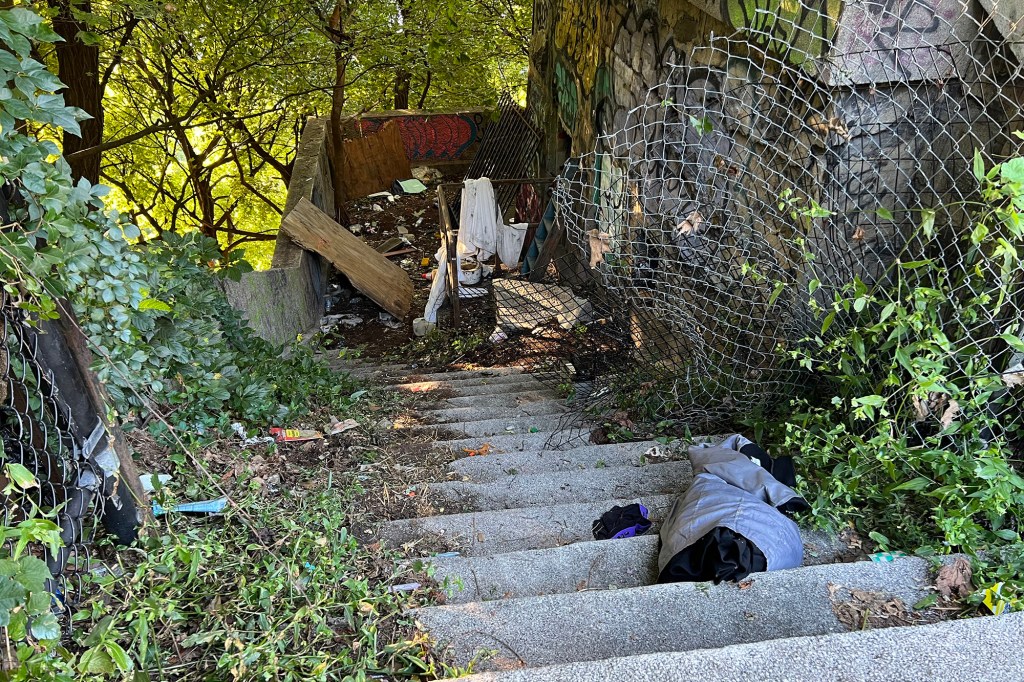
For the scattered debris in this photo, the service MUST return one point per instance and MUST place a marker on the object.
(885, 557)
(388, 320)
(497, 336)
(524, 306)
(204, 507)
(478, 452)
(378, 208)
(406, 587)
(392, 244)
(994, 599)
(341, 427)
(295, 435)
(953, 581)
(420, 326)
(600, 244)
(411, 186)
(426, 174)
(148, 483)
(246, 440)
(329, 322)
(861, 610)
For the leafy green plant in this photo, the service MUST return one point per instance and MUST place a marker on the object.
(27, 621)
(914, 435)
(164, 335)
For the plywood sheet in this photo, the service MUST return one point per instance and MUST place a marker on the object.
(374, 162)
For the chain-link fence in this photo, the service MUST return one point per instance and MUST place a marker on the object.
(755, 181)
(73, 464)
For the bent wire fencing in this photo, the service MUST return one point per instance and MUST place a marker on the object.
(712, 229)
(50, 426)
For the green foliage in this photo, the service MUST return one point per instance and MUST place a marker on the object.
(280, 590)
(25, 600)
(239, 102)
(162, 329)
(916, 437)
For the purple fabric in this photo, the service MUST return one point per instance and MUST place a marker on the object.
(638, 529)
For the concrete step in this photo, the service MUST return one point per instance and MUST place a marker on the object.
(519, 442)
(560, 487)
(590, 626)
(593, 565)
(496, 466)
(499, 385)
(475, 413)
(499, 401)
(502, 426)
(417, 376)
(979, 649)
(512, 530)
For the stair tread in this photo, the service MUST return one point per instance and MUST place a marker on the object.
(978, 649)
(663, 618)
(561, 487)
(606, 564)
(510, 530)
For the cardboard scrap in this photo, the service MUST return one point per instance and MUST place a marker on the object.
(382, 281)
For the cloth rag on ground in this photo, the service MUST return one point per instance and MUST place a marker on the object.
(728, 523)
(622, 522)
(478, 220)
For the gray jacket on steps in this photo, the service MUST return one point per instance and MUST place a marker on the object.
(730, 491)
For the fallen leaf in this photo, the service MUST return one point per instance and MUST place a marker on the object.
(746, 584)
(953, 581)
(950, 414)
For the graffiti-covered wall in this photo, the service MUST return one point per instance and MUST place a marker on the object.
(728, 146)
(430, 138)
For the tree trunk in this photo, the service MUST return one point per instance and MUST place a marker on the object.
(403, 79)
(337, 107)
(79, 69)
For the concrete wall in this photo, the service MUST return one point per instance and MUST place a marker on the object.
(869, 108)
(288, 299)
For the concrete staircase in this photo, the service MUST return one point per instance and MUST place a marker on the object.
(532, 597)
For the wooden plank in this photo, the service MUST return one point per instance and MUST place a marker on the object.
(374, 162)
(382, 281)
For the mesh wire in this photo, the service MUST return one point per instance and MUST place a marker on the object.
(38, 432)
(679, 229)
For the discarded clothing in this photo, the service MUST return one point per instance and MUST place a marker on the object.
(622, 522)
(728, 524)
(478, 220)
(720, 555)
(509, 243)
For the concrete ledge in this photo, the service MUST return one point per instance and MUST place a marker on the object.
(280, 303)
(977, 649)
